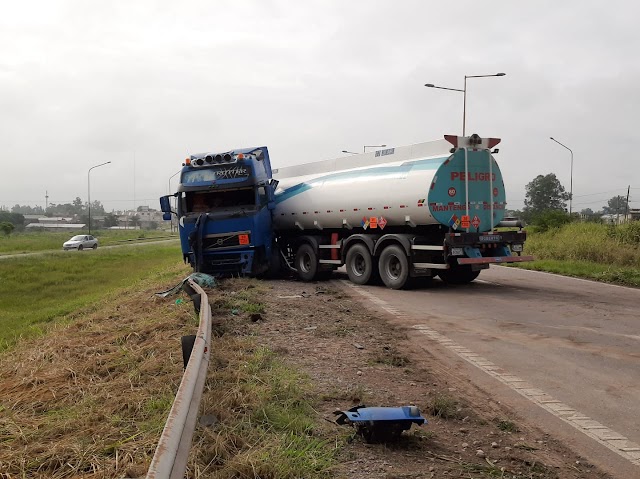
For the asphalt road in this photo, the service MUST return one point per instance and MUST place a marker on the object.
(563, 352)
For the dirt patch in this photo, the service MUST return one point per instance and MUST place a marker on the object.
(357, 356)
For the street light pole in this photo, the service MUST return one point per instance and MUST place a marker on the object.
(171, 177)
(89, 190)
(571, 176)
(464, 93)
(364, 148)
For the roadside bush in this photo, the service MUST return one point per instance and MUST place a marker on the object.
(585, 242)
(551, 219)
(628, 233)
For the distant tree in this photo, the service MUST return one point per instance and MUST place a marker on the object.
(135, 220)
(27, 210)
(66, 209)
(513, 213)
(616, 205)
(78, 206)
(15, 219)
(6, 228)
(544, 193)
(97, 208)
(110, 220)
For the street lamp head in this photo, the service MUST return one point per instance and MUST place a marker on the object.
(430, 85)
(552, 138)
(500, 74)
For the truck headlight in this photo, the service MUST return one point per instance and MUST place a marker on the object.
(516, 247)
(457, 251)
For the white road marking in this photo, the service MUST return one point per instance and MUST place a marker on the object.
(557, 275)
(602, 434)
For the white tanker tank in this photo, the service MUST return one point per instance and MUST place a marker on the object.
(417, 185)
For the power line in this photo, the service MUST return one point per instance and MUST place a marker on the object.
(603, 193)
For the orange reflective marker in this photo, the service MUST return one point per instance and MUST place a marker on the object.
(243, 239)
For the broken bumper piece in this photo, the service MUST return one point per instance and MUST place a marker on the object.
(381, 424)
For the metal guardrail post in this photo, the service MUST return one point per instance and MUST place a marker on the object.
(172, 453)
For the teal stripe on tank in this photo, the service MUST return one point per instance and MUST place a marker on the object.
(378, 172)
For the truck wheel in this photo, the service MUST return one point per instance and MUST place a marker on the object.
(394, 267)
(458, 275)
(359, 264)
(306, 263)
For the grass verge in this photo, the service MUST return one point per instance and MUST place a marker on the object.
(624, 276)
(32, 241)
(598, 252)
(38, 290)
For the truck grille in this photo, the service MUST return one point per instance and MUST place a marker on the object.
(219, 242)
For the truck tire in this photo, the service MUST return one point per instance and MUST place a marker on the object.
(359, 264)
(306, 262)
(394, 267)
(458, 275)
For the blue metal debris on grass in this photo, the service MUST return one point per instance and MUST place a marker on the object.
(381, 424)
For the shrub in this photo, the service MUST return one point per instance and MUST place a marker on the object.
(551, 219)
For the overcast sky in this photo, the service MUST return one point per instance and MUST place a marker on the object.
(144, 84)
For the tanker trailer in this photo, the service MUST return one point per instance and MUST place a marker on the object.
(422, 210)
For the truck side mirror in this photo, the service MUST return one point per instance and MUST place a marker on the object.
(165, 206)
(166, 216)
(271, 205)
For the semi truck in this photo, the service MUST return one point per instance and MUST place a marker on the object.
(393, 215)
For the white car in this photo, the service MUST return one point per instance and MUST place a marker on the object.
(81, 242)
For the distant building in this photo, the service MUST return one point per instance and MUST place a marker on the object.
(617, 219)
(145, 217)
(56, 226)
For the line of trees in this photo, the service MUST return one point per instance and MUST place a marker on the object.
(77, 207)
(545, 204)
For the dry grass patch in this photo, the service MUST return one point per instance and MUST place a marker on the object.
(91, 398)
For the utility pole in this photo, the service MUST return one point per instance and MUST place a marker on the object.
(626, 211)
(46, 201)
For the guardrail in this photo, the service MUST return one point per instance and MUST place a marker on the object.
(170, 458)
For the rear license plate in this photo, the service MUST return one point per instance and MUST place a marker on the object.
(490, 239)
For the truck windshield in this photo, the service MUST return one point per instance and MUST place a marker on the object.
(200, 202)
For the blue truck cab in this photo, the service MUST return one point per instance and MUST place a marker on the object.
(223, 204)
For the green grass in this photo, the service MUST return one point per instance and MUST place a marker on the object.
(273, 431)
(588, 250)
(32, 241)
(37, 290)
